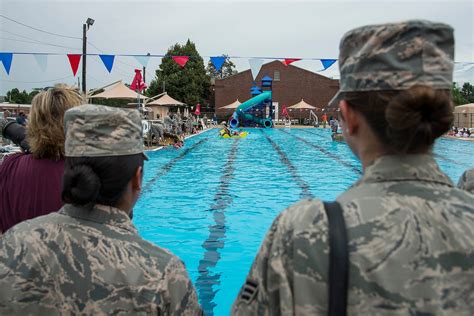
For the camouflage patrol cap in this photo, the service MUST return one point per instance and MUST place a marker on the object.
(102, 131)
(396, 56)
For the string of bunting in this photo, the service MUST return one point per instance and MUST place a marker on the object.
(108, 60)
(255, 63)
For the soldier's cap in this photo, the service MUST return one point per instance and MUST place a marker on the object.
(102, 131)
(395, 56)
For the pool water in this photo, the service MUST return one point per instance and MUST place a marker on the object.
(211, 202)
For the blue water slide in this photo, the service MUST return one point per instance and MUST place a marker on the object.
(240, 114)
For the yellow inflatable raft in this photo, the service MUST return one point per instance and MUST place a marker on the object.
(240, 135)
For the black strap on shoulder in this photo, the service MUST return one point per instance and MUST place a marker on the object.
(338, 260)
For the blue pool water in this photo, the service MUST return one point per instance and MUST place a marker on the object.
(212, 201)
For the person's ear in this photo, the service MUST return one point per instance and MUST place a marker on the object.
(349, 117)
(137, 179)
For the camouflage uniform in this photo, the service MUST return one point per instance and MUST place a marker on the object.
(466, 182)
(411, 243)
(81, 261)
(411, 236)
(91, 260)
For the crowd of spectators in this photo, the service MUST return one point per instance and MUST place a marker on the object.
(462, 132)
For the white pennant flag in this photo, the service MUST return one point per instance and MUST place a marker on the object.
(143, 60)
(255, 65)
(42, 61)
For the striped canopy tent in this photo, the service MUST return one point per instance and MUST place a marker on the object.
(232, 106)
(118, 91)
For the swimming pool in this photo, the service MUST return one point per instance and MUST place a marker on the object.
(212, 201)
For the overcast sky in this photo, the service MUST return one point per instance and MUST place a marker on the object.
(306, 29)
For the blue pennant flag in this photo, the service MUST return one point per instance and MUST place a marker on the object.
(6, 59)
(327, 63)
(108, 61)
(218, 61)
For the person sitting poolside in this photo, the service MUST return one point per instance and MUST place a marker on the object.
(88, 259)
(410, 236)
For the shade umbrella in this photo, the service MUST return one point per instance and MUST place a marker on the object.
(302, 105)
(119, 91)
(233, 105)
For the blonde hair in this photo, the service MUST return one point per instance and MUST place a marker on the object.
(45, 128)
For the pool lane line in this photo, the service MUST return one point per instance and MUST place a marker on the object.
(439, 156)
(325, 151)
(308, 132)
(452, 161)
(170, 164)
(304, 186)
(215, 241)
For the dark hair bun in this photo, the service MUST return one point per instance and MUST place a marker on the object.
(81, 185)
(416, 117)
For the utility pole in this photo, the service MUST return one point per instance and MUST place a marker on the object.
(85, 27)
(84, 54)
(144, 74)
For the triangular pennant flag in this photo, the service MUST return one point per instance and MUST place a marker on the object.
(180, 60)
(255, 65)
(6, 59)
(327, 63)
(42, 61)
(143, 60)
(74, 60)
(288, 61)
(218, 61)
(108, 61)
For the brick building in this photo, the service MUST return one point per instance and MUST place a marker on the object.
(290, 85)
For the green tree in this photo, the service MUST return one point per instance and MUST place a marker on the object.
(31, 95)
(23, 97)
(189, 84)
(228, 69)
(457, 96)
(467, 92)
(15, 96)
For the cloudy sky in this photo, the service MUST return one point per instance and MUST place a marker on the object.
(305, 29)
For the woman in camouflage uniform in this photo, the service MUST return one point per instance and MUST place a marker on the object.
(410, 230)
(88, 258)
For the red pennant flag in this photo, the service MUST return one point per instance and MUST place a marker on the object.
(180, 60)
(74, 60)
(288, 61)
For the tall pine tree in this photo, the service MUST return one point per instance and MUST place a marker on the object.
(189, 84)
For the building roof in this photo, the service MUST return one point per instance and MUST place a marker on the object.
(270, 64)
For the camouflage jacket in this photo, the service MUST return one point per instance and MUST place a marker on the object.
(411, 244)
(466, 182)
(81, 261)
